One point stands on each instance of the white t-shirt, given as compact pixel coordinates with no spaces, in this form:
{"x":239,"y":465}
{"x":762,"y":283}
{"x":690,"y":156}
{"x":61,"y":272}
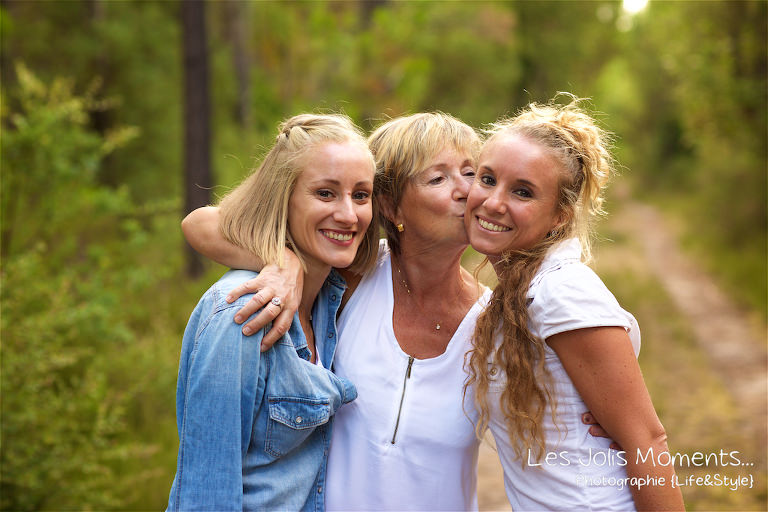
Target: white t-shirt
{"x":407,"y":442}
{"x":583,"y":473}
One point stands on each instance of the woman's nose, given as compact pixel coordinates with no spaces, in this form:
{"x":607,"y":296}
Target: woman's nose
{"x":461,"y":188}
{"x":495,"y":203}
{"x":345,"y":212}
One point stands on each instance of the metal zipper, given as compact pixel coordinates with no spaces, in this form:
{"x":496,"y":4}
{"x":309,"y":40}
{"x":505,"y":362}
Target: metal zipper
{"x":402,"y":396}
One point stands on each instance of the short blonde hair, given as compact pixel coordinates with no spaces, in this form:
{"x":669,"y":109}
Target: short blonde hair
{"x":403,"y":147}
{"x":254,"y":215}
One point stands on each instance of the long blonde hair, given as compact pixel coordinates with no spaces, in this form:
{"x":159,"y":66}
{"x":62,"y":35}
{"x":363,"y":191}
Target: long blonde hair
{"x":582,"y":148}
{"x":403,"y":147}
{"x":254,"y":215}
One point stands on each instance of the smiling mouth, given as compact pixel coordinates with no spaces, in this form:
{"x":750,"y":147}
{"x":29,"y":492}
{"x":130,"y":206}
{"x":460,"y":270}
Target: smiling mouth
{"x":335,"y":235}
{"x":490,"y":226}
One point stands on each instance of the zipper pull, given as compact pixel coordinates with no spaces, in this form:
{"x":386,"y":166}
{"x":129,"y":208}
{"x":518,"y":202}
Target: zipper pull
{"x":402,"y":397}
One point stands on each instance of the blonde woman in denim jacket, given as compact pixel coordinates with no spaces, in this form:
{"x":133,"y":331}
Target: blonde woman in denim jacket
{"x":254,"y":428}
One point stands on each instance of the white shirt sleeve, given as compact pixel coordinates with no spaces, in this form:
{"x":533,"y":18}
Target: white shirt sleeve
{"x":573,"y":297}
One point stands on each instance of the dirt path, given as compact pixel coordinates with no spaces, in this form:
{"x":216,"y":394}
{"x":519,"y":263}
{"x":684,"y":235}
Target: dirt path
{"x":490,"y":484}
{"x":734,"y":341}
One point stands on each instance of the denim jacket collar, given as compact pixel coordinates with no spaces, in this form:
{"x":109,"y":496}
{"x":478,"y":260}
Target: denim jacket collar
{"x":324,"y":319}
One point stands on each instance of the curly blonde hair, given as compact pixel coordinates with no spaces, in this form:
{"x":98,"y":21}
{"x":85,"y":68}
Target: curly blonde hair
{"x":573,"y":138}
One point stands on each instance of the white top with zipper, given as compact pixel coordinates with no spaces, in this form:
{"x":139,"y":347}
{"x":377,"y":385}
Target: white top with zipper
{"x":406,"y":442}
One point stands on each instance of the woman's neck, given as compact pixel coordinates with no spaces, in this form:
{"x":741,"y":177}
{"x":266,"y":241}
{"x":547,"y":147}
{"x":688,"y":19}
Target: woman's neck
{"x":432,"y":272}
{"x":423,"y":320}
{"x":495,"y":262}
{"x":314,"y":278}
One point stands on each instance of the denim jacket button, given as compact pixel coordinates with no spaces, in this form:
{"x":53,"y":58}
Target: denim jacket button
{"x":330,"y":334}
{"x":333,"y":297}
{"x":299,"y":419}
{"x":319,"y":490}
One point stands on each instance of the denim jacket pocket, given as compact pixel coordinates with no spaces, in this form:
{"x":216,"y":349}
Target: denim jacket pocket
{"x":292,"y":420}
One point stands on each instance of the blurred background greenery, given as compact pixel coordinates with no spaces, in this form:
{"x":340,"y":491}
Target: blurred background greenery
{"x":95,"y":287}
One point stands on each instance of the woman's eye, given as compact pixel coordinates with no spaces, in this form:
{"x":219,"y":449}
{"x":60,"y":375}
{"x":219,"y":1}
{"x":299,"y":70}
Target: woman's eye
{"x":468,"y":172}
{"x":361,"y":196}
{"x":436,"y":180}
{"x":487,"y":179}
{"x":324,"y":194}
{"x":523,"y":192}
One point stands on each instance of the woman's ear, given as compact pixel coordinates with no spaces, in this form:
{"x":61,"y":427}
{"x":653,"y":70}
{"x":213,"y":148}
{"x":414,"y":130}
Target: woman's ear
{"x":387,"y":208}
{"x":562,"y":219}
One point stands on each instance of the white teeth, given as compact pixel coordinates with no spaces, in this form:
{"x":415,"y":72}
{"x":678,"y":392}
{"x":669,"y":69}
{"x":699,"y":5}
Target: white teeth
{"x":338,"y":236}
{"x":492,"y":227}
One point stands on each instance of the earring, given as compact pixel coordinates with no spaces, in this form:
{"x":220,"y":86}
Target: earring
{"x":400,"y":228}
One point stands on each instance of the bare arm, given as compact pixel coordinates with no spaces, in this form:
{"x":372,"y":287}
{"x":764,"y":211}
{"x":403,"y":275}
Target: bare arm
{"x":602,"y":365}
{"x":201,"y":229}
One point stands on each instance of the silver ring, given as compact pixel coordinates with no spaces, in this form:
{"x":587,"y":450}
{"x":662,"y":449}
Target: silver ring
{"x":276,"y":301}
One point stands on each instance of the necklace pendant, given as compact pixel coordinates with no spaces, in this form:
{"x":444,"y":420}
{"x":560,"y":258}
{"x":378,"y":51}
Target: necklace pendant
{"x":437,"y":327}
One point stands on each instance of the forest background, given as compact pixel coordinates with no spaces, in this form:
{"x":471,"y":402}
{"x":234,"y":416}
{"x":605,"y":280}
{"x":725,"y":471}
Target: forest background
{"x":96,"y":281}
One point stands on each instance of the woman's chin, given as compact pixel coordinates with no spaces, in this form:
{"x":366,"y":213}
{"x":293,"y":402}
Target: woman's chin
{"x":341,"y":260}
{"x":489,"y":250}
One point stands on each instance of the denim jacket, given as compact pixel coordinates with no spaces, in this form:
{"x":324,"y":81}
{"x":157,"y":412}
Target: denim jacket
{"x":254,"y":428}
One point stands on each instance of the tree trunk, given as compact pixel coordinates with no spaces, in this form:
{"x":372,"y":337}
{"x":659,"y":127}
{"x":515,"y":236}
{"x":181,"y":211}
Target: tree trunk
{"x":367,"y":7}
{"x":236,"y":23}
{"x":197,"y":160}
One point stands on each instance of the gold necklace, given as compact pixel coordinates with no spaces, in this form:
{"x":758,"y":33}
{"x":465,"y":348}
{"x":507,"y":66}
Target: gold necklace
{"x":408,"y":289}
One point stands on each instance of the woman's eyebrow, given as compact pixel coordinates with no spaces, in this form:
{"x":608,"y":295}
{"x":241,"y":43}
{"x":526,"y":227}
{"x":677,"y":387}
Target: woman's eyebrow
{"x":527,"y":183}
{"x":331,"y":181}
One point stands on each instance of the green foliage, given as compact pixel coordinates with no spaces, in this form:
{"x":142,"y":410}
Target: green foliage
{"x":433,"y":63}
{"x":131,"y":49}
{"x":46,"y":165}
{"x":72,"y":253}
{"x":698,"y":144}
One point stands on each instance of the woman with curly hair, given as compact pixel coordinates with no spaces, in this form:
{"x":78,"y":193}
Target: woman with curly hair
{"x":553,"y":342}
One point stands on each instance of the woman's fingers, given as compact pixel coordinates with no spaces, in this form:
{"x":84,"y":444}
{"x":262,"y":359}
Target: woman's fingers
{"x":280,"y":312}
{"x":250,"y":286}
{"x":277,"y":293}
{"x":260,"y":298}
{"x":280,"y":326}
{"x":596,"y":430}
{"x":281,"y":317}
{"x":267,"y":314}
